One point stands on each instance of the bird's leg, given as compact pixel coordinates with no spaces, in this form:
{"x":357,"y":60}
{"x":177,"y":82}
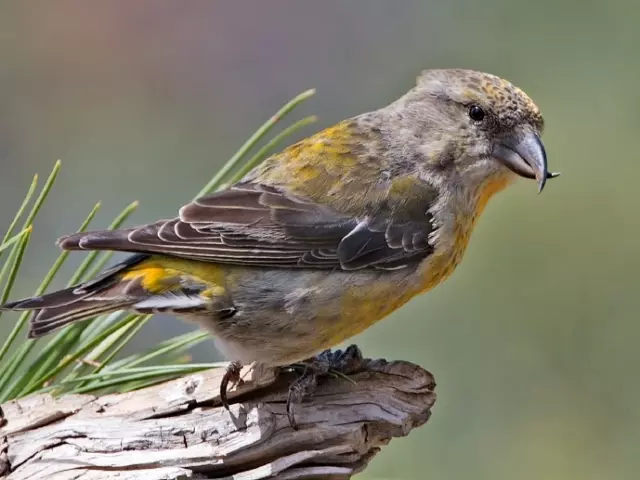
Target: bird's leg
{"x":324,"y":363}
{"x":231,"y":376}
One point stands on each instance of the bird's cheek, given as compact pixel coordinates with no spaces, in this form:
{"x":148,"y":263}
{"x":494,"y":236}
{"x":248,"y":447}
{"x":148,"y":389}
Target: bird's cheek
{"x":475,"y":150}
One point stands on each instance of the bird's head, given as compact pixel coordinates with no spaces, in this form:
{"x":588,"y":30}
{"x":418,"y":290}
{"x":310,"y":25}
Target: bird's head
{"x":479,"y":126}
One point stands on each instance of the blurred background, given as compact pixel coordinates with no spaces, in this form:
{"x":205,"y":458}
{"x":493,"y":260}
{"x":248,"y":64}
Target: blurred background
{"x":533,"y":341}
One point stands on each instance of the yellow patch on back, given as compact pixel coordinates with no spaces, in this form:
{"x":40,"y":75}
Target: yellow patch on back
{"x":213,"y":292}
{"x":307,"y":173}
{"x":160,"y":274}
{"x":153,"y":279}
{"x":329,"y":166}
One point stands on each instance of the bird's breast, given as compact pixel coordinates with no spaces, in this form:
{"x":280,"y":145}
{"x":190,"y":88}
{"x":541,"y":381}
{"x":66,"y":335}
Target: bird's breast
{"x":457,"y":220}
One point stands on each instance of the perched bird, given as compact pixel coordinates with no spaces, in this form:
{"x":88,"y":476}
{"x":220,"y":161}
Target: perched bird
{"x":330,"y":235}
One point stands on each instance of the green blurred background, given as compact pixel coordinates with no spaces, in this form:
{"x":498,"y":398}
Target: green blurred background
{"x":533,"y":341}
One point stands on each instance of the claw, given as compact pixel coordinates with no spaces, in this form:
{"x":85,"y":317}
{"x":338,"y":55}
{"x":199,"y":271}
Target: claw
{"x":231,"y":376}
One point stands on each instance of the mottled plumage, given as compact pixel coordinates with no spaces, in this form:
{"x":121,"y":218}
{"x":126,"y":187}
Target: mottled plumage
{"x":328,"y":236}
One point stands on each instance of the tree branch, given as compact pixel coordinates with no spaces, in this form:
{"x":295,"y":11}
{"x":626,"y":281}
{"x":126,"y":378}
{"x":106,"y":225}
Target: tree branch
{"x":177,"y":430}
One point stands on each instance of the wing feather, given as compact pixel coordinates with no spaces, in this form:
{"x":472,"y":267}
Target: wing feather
{"x":259,"y":225}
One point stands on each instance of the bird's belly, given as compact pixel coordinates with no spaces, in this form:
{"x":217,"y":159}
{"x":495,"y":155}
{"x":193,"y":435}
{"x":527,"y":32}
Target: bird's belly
{"x":279,"y":325}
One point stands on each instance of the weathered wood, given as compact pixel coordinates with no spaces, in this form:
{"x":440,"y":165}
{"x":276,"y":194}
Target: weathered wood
{"x":178,"y":430}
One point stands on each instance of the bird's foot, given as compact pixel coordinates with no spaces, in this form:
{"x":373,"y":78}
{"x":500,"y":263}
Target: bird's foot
{"x":339,"y":361}
{"x":325,"y":363}
{"x":231,"y":376}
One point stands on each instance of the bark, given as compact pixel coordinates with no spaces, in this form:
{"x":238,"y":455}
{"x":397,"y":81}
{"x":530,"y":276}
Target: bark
{"x":178,"y":430}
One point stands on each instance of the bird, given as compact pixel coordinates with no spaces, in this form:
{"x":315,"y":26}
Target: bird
{"x":328,"y":236}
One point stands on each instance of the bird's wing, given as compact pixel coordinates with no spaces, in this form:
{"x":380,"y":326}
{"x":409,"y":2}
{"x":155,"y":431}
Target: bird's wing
{"x":259,"y":225}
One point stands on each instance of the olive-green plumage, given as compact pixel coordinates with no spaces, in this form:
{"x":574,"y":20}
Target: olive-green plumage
{"x":329,"y":236}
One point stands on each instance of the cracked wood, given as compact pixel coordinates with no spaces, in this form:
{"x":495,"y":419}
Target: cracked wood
{"x":177,"y":430}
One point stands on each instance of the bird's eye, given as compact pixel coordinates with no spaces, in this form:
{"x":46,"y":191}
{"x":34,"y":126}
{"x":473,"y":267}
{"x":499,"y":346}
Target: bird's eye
{"x":476,"y":113}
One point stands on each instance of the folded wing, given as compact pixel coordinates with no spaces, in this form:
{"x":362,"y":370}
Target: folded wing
{"x":259,"y":225}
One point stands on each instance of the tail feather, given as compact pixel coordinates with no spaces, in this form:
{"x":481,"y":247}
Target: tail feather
{"x":55,"y":310}
{"x":135,"y":284}
{"x":55,"y":299}
{"x":48,"y":320}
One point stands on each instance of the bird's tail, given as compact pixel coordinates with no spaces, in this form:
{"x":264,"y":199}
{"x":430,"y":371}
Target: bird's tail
{"x":55,"y":310}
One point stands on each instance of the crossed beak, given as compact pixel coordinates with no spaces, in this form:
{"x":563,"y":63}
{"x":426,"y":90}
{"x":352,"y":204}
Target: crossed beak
{"x":524,"y":154}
